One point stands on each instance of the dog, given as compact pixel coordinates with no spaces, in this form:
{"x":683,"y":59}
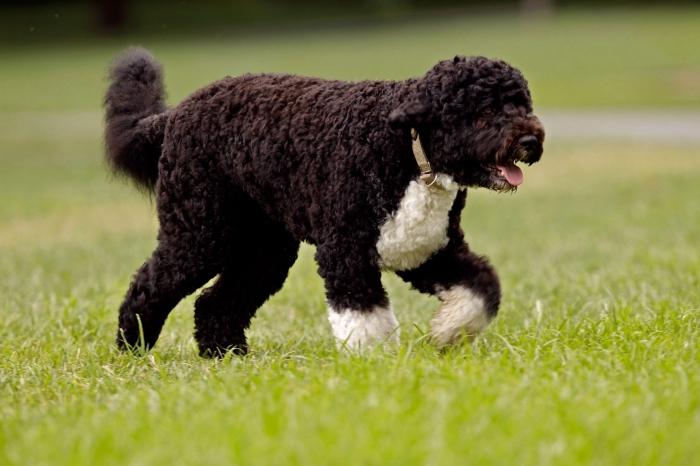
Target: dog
{"x":374,"y":174}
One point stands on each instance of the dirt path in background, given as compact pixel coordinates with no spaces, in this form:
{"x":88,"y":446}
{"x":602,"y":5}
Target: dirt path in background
{"x":660,"y":126}
{"x":675,"y":126}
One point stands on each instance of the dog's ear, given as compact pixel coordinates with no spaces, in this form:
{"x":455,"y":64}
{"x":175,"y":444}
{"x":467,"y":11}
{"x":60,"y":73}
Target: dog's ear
{"x":411,"y":113}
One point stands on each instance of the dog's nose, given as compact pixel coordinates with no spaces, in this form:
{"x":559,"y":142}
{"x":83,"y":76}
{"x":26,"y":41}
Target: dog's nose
{"x":532,"y":146}
{"x":528,"y":141}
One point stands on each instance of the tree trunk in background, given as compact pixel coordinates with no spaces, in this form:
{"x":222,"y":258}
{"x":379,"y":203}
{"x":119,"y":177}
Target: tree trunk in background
{"x":537,"y":7}
{"x":111,"y":15}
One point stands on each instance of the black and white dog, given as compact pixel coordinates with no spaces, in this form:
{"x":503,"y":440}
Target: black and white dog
{"x":373,"y":173}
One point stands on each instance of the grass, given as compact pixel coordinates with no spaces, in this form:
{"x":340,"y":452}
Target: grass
{"x":594,"y":358}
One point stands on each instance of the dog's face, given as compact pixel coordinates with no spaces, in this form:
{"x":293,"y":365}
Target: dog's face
{"x":474,"y":116}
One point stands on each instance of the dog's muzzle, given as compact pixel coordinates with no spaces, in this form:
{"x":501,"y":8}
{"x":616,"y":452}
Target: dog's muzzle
{"x":531,"y":146}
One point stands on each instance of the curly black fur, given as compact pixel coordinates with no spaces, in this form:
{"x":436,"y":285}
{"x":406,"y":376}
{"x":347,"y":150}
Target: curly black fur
{"x":247,"y":167}
{"x":133,"y":107}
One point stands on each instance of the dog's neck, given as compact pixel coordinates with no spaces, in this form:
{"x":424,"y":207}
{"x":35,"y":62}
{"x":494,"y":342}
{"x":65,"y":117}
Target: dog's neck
{"x":426,"y":171}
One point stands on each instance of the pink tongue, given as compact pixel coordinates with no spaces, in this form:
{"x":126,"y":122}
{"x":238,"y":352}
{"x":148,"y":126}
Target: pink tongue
{"x":512,"y":173}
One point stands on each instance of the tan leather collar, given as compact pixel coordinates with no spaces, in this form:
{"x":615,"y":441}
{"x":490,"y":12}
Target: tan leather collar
{"x":426,"y":171}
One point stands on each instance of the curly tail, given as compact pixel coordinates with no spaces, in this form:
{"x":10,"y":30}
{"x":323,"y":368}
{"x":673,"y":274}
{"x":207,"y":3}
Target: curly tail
{"x":135,"y":116}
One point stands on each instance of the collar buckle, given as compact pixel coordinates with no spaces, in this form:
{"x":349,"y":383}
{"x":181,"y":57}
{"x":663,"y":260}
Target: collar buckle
{"x":426,"y":171}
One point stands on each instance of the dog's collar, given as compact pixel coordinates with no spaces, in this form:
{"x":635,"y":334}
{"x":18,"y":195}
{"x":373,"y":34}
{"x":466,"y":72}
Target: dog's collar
{"x":426,"y":171}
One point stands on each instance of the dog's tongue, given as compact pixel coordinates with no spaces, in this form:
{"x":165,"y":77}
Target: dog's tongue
{"x":512,"y":173}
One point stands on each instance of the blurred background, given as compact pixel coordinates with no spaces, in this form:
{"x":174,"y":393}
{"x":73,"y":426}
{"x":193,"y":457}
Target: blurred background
{"x":613,"y":77}
{"x":617,"y":84}
{"x":577,"y":54}
{"x":597,"y":252}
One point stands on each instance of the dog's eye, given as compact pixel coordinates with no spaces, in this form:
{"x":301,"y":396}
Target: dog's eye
{"x":487,"y":112}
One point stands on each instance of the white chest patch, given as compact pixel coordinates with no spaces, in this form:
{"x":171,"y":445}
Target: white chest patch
{"x":418,"y":228}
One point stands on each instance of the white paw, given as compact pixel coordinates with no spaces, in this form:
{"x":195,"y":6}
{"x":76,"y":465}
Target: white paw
{"x":462,"y":313}
{"x":358,"y":330}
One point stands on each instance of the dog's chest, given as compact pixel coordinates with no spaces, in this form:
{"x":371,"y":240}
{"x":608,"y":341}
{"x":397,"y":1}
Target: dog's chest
{"x":418,"y":228}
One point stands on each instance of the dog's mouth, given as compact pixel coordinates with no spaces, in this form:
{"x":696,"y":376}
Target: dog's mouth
{"x":511,"y":173}
{"x":505,"y":174}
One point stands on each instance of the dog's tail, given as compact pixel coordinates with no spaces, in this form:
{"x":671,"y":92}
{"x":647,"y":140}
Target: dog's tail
{"x":135,"y":116}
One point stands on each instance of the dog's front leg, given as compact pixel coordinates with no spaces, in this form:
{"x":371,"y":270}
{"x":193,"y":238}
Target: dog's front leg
{"x":467,"y":286}
{"x":358,"y":307}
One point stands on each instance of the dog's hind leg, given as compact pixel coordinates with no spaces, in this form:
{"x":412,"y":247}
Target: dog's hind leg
{"x":172,"y":272}
{"x":192,"y":246}
{"x":466,"y":284}
{"x":255,"y":271}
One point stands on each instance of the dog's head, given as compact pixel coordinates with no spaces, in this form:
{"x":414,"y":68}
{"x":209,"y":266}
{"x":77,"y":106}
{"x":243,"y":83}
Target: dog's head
{"x":474,"y":116}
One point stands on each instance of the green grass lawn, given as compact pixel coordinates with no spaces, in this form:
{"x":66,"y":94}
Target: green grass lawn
{"x":594,"y":358}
